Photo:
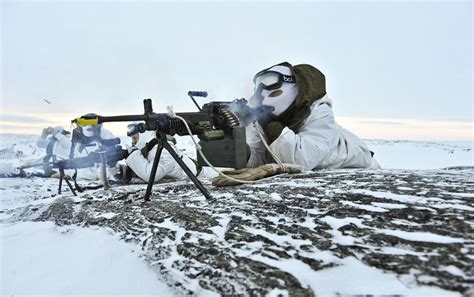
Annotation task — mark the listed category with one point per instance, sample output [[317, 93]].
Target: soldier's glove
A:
[[268, 122], [264, 115], [122, 154], [251, 174], [244, 112], [148, 147]]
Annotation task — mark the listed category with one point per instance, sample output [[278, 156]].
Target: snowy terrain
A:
[[404, 230]]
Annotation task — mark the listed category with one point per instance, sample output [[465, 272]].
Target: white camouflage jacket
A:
[[167, 167], [320, 143]]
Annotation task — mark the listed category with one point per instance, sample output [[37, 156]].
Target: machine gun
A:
[[221, 138], [78, 138], [106, 156]]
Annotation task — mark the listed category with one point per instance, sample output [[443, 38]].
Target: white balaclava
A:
[[88, 131], [280, 98]]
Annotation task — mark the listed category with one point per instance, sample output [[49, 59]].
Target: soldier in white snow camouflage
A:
[[301, 129]]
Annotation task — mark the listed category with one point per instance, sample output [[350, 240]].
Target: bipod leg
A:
[[61, 177], [153, 169], [76, 185], [186, 169], [70, 186], [103, 169]]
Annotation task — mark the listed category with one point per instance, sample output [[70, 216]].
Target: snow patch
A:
[[421, 236], [275, 196], [107, 215], [50, 260], [364, 206], [389, 205]]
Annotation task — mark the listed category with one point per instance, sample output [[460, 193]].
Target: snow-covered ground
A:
[[404, 154], [57, 244], [42, 258]]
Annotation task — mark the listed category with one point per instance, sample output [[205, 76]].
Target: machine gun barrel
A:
[[112, 156], [147, 117], [96, 120], [84, 120], [199, 123]]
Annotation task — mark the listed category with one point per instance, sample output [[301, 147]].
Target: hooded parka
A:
[[307, 133]]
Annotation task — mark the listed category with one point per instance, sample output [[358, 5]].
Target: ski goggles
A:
[[271, 80], [132, 129]]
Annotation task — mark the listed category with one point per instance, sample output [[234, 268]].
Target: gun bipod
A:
[[163, 144], [61, 177]]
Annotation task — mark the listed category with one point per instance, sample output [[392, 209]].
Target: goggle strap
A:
[[288, 78]]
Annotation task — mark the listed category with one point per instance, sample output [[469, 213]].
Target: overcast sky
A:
[[387, 64]]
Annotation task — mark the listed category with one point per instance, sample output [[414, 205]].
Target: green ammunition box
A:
[[230, 152]]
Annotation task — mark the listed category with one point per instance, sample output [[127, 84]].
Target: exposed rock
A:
[[414, 224]]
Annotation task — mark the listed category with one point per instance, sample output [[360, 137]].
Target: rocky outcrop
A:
[[415, 225]]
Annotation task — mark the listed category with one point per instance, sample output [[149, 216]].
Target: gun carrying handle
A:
[[193, 94], [197, 94]]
